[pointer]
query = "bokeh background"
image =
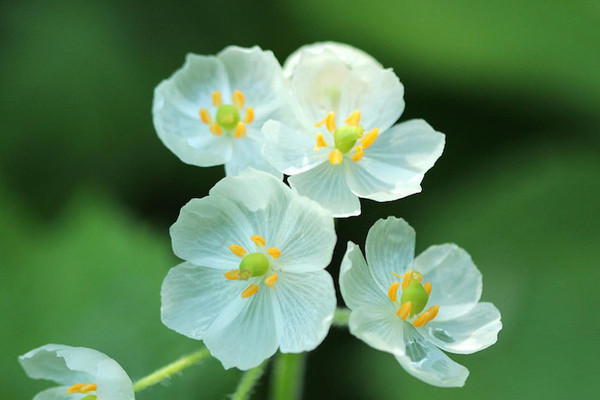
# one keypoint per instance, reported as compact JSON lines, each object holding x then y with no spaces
{"x":87,"y":191}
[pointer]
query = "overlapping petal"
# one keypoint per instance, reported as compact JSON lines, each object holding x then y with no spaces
{"x":357,"y":283}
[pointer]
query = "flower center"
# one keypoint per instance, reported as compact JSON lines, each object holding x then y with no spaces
{"x":345,"y":137}
{"x":84,"y":388}
{"x":254,"y":265}
{"x":414,"y":298}
{"x":227,"y":118}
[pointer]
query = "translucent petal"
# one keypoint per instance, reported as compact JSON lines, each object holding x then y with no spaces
{"x":306,"y":305}
{"x":289,"y":150}
{"x":246,"y":153}
{"x":245,"y":338}
{"x":258,"y":75}
{"x":456,"y":281}
{"x":468,"y":333}
{"x":425,"y":361}
{"x":58,"y":393}
{"x":379,"y":327}
{"x":326,"y":184}
{"x":351,"y":56}
{"x":357,"y":284}
{"x":390,"y":247}
{"x":376,"y":92}
{"x":193,"y":297}
{"x":394,"y":166}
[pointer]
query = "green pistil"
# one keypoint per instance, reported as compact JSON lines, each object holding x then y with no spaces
{"x":228,"y":117}
{"x":256,"y":264}
{"x":345,"y":137}
{"x":415,"y":293}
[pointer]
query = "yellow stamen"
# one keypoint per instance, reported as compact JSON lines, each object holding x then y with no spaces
{"x":427,"y":287}
{"x":320,"y":141}
{"x":393,"y":291}
{"x":240,"y":130}
{"x":404,"y":310}
{"x":407,"y":278}
{"x":237,"y":250}
{"x":258,"y":240}
{"x":238,"y":99}
{"x":216,"y":129}
{"x":397,"y":275}
{"x":270,"y":281}
{"x":249,"y":115}
{"x":251,"y":290}
{"x":232,"y":275}
{"x":329,"y":121}
{"x":205,"y":116}
{"x":359,"y":153}
{"x":82,"y":388}
{"x":369,"y":138}
{"x":216,"y":98}
{"x":353,"y":119}
{"x":335,"y":157}
{"x":433,"y":312}
{"x":273,"y":252}
{"x":422,"y":320}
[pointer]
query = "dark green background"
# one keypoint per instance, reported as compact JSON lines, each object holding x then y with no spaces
{"x":87,"y":191}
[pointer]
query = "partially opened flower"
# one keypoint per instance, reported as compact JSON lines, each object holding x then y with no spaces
{"x":413,"y":307}
{"x":343,"y":144}
{"x":80,"y":373}
{"x":254,"y":278}
{"x":210,"y":112}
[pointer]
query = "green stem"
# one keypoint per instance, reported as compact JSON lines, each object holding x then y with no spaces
{"x":288,"y":376}
{"x":168,"y":371}
{"x":341,"y":317}
{"x":249,"y":379}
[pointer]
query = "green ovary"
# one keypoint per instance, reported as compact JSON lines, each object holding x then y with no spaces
{"x":228,"y":117}
{"x":256,"y":264}
{"x":417,"y":295}
{"x":345,"y":137}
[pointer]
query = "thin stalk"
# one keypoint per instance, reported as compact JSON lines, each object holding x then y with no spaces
{"x":288,"y":377}
{"x":169,"y":370}
{"x":249,"y":380}
{"x":341,"y":317}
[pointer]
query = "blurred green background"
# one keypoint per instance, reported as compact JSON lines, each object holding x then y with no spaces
{"x":87,"y":191}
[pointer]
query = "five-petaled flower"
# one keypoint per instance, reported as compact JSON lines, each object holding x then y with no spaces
{"x":342,"y":145}
{"x":413,"y":307}
{"x":211,"y":111}
{"x":82,"y":374}
{"x":254,"y":278}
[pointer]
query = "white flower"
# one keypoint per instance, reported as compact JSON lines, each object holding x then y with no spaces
{"x":254,"y":278}
{"x":342,"y":145}
{"x":210,"y":112}
{"x":81,"y":373}
{"x":393,"y":311}
{"x":351,"y":56}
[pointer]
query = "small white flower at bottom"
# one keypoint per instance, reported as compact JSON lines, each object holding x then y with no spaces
{"x":82,"y":374}
{"x":413,"y":307}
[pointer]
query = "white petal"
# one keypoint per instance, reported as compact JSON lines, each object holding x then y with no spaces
{"x":306,"y":304}
{"x":290,"y":150}
{"x":377,"y":93}
{"x":58,"y":393}
{"x":425,"y":361}
{"x":351,"y":56}
{"x":379,"y":327}
{"x":394,"y":166}
{"x":390,"y":247}
{"x":456,"y":281}
{"x":246,"y":338}
{"x":326,"y":184}
{"x":194,"y":296}
{"x":258,"y":75}
{"x":177,"y":102}
{"x":357,"y":284}
{"x":246,"y":153}
{"x":305,"y":235}
{"x":471,"y":332}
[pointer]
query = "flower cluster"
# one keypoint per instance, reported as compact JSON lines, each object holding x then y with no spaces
{"x":253,"y":280}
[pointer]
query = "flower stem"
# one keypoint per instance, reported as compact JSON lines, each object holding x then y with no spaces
{"x":169,"y":370}
{"x":249,"y":379}
{"x":341,"y":317}
{"x":288,"y":374}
